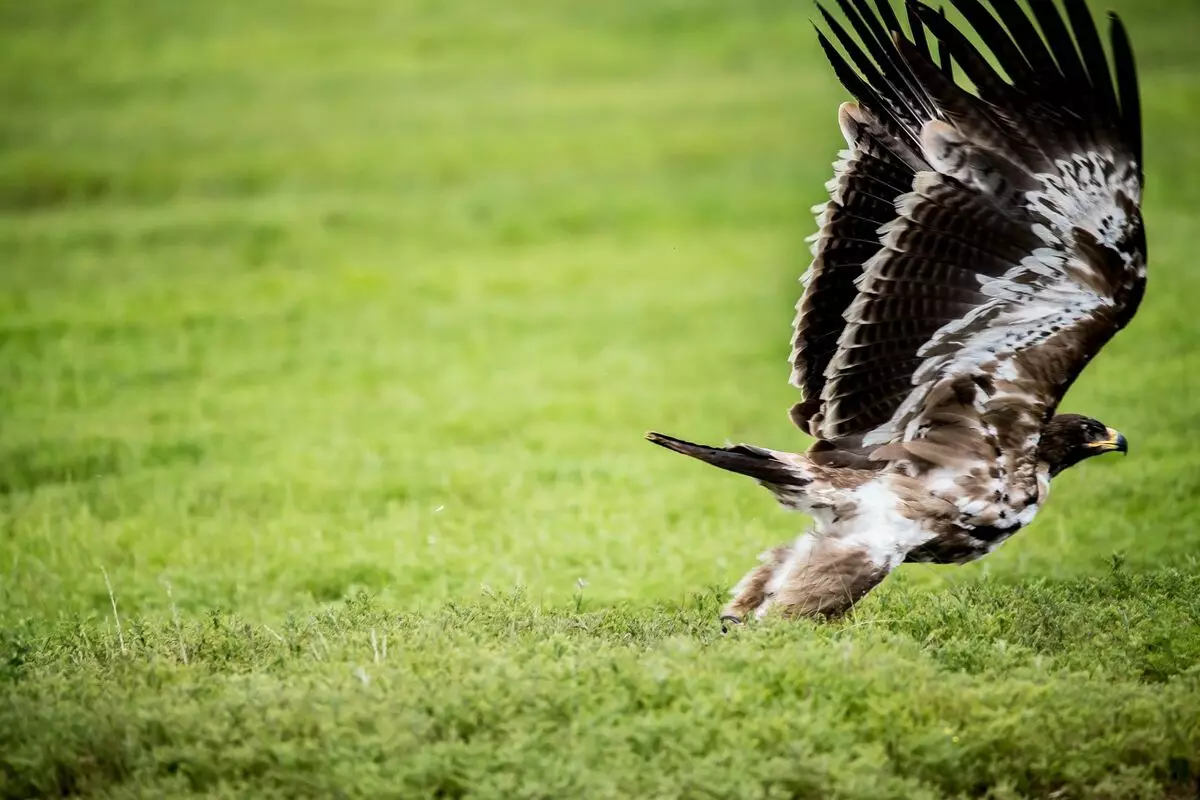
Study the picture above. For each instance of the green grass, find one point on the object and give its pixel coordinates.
(329, 332)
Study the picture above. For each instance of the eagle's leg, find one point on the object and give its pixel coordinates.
(824, 577)
(753, 590)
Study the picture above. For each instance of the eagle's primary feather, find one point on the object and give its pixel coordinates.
(977, 250)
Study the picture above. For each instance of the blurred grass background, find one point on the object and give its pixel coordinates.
(303, 299)
(283, 280)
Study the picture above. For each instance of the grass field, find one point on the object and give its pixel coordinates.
(329, 335)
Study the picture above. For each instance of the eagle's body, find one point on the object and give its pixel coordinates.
(976, 252)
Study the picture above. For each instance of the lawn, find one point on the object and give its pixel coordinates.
(328, 336)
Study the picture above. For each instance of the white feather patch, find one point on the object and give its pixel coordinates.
(879, 529)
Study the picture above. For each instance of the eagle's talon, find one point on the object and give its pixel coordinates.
(729, 619)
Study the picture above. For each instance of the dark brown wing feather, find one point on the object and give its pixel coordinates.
(863, 192)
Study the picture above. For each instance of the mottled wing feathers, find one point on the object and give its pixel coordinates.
(868, 178)
(989, 241)
(878, 166)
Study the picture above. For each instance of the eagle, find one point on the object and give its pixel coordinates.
(982, 241)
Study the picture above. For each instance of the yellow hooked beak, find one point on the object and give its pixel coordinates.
(1113, 441)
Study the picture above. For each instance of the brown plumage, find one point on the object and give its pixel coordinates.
(977, 250)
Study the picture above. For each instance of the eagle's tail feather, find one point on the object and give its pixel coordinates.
(744, 459)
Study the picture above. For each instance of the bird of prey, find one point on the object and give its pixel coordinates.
(979, 246)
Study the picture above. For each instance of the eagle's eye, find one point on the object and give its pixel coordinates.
(1101, 439)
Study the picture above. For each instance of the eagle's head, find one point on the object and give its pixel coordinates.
(1068, 439)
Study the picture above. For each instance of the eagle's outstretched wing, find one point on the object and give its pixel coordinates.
(978, 248)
